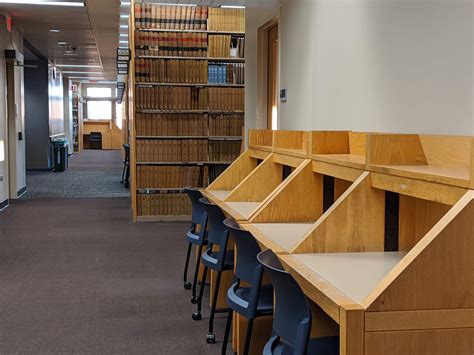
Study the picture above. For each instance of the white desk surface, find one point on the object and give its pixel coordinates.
(286, 235)
(220, 194)
(245, 209)
(354, 274)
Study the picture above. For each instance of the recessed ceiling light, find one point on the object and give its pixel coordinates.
(83, 72)
(37, 2)
(55, 30)
(78, 66)
(62, 43)
(232, 7)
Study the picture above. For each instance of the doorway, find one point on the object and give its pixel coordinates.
(272, 77)
(15, 139)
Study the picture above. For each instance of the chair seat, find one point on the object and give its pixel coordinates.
(238, 299)
(210, 259)
(316, 346)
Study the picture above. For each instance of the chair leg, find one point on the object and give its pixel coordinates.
(186, 283)
(227, 332)
(194, 299)
(197, 314)
(211, 338)
(123, 173)
(248, 336)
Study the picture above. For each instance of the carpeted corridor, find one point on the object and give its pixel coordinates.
(79, 277)
(93, 173)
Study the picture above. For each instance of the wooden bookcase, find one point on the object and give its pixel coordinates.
(187, 88)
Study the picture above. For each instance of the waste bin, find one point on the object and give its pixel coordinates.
(60, 154)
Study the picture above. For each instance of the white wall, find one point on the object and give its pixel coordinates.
(377, 65)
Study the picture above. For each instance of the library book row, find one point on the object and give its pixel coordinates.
(171, 17)
(181, 17)
(188, 125)
(186, 150)
(189, 98)
(188, 72)
(184, 44)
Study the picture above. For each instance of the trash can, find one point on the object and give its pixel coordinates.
(60, 154)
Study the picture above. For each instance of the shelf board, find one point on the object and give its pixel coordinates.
(190, 84)
(191, 111)
(234, 33)
(171, 137)
(186, 163)
(212, 138)
(240, 60)
(225, 138)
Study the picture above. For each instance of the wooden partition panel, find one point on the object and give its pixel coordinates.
(395, 149)
(235, 173)
(355, 223)
(330, 142)
(302, 189)
(357, 143)
(261, 139)
(437, 273)
(259, 184)
(295, 143)
(417, 217)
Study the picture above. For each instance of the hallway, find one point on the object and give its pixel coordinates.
(79, 277)
(93, 173)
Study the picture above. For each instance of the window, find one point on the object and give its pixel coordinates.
(99, 110)
(99, 92)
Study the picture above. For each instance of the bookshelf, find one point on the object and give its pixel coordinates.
(187, 77)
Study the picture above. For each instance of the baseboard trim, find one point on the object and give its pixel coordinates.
(21, 191)
(4, 204)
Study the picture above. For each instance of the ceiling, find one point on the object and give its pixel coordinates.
(91, 34)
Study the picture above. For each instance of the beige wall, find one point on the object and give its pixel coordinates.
(392, 66)
(258, 13)
(14, 163)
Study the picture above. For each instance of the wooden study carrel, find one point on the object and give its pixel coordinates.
(378, 230)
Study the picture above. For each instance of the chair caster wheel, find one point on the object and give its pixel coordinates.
(187, 285)
(211, 338)
(197, 316)
(194, 300)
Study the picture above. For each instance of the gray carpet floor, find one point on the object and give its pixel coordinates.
(78, 277)
(93, 173)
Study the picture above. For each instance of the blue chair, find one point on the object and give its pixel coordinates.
(218, 260)
(251, 301)
(292, 316)
(195, 237)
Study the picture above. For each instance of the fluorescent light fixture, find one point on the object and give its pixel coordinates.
(123, 26)
(77, 66)
(123, 42)
(232, 7)
(123, 34)
(83, 72)
(41, 3)
(62, 43)
(124, 16)
(54, 30)
(2, 150)
(125, 3)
